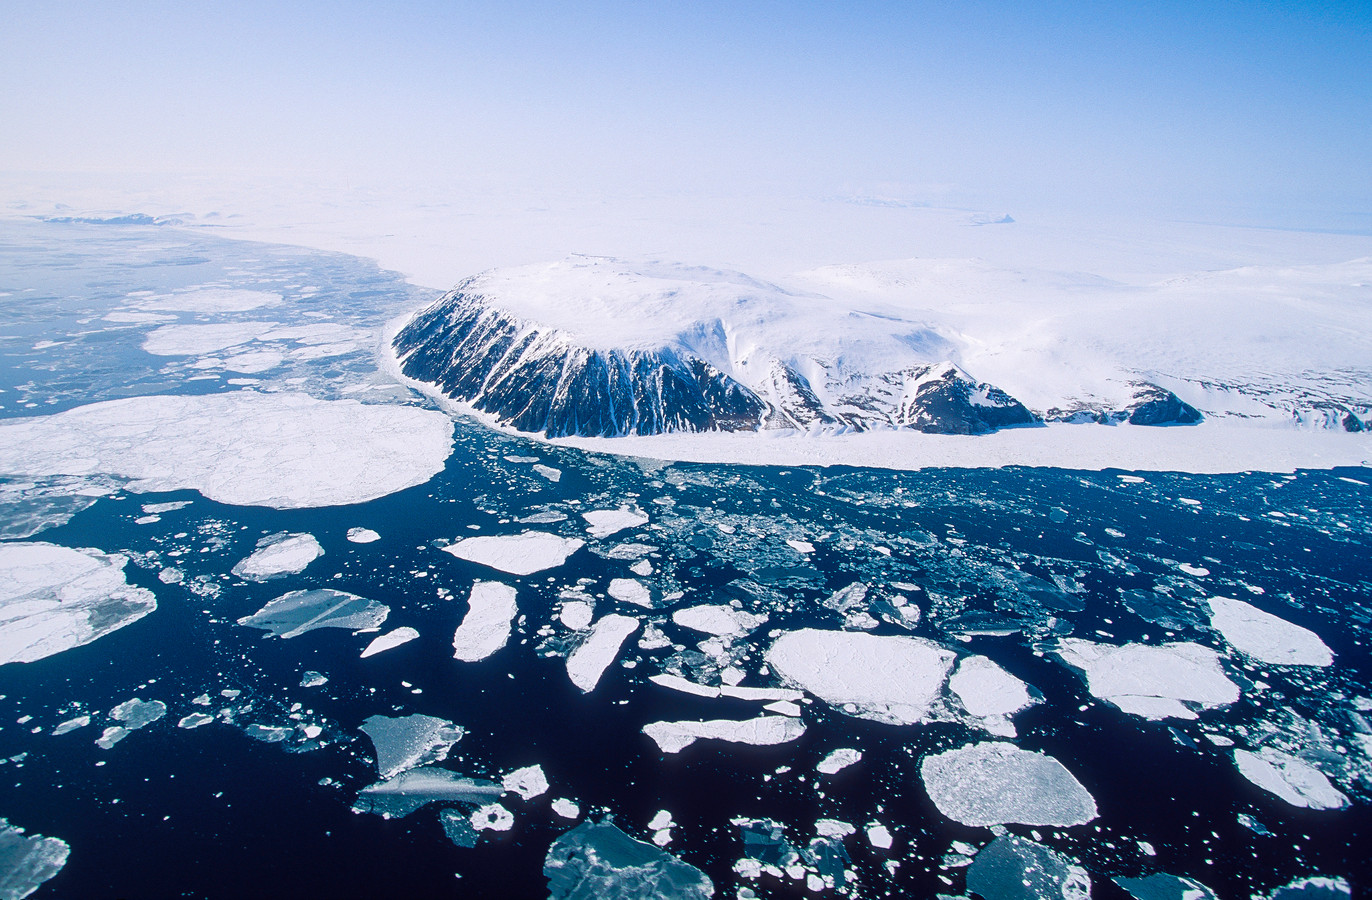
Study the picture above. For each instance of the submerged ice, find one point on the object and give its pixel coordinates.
(407, 742)
(297, 612)
(597, 861)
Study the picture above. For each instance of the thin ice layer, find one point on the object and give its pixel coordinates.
(1015, 868)
(486, 627)
(390, 640)
(589, 661)
(416, 788)
(673, 737)
(407, 742)
(997, 783)
(54, 598)
(1161, 886)
(1153, 682)
(1290, 778)
(282, 450)
(597, 861)
(293, 614)
(517, 554)
(887, 679)
(279, 554)
(1265, 637)
(27, 861)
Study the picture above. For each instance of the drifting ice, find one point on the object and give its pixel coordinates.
(390, 640)
(281, 554)
(597, 861)
(411, 741)
(26, 861)
(1151, 681)
(293, 614)
(528, 782)
(605, 522)
(1290, 778)
(1266, 637)
(486, 627)
(589, 661)
(417, 788)
(997, 783)
(518, 554)
(673, 737)
(724, 621)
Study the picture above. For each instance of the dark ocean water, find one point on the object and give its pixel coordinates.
(211, 812)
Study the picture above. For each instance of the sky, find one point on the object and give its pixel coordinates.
(1251, 111)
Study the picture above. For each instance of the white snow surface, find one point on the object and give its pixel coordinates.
(194, 340)
(986, 689)
(285, 554)
(838, 760)
(997, 783)
(724, 621)
(517, 554)
(54, 598)
(892, 679)
(390, 640)
(565, 808)
(629, 590)
(362, 535)
(528, 782)
(602, 523)
(1290, 778)
(1265, 637)
(283, 450)
(207, 300)
(486, 627)
(589, 661)
(1151, 681)
(673, 737)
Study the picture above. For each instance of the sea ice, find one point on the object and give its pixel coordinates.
(686, 686)
(893, 679)
(416, 788)
(517, 554)
(54, 598)
(566, 808)
(602, 523)
(196, 340)
(111, 736)
(27, 861)
(194, 720)
(282, 450)
(629, 590)
(408, 742)
(1290, 778)
(577, 614)
(1265, 637)
(548, 472)
(486, 627)
(724, 621)
(838, 760)
(135, 713)
(1160, 886)
(985, 689)
(297, 612)
(589, 661)
(1151, 681)
(597, 861)
(389, 640)
(528, 782)
(997, 783)
(492, 817)
(1015, 868)
(362, 535)
(879, 836)
(72, 725)
(1314, 887)
(313, 679)
(207, 300)
(279, 554)
(458, 828)
(673, 737)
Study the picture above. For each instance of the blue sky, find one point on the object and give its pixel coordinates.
(1210, 109)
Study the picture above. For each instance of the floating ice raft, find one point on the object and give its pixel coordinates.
(597, 861)
(407, 742)
(517, 554)
(1265, 637)
(27, 861)
(673, 737)
(279, 554)
(293, 614)
(997, 783)
(416, 788)
(491, 609)
(1152, 682)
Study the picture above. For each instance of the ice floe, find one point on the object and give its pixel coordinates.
(1290, 778)
(597, 861)
(71, 725)
(1160, 886)
(528, 782)
(208, 300)
(577, 614)
(879, 836)
(27, 861)
(673, 737)
(1265, 637)
(416, 788)
(408, 742)
(194, 720)
(589, 661)
(486, 627)
(565, 808)
(602, 523)
(629, 590)
(282, 450)
(838, 760)
(390, 640)
(1152, 682)
(1016, 868)
(724, 621)
(297, 612)
(194, 340)
(492, 817)
(1314, 887)
(54, 598)
(997, 783)
(892, 679)
(362, 535)
(517, 554)
(458, 828)
(279, 554)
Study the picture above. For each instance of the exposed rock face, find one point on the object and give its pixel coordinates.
(1153, 405)
(944, 400)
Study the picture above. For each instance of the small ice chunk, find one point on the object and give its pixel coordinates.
(892, 679)
(27, 861)
(267, 734)
(1160, 886)
(111, 736)
(838, 760)
(416, 788)
(985, 689)
(1290, 778)
(548, 472)
(194, 720)
(528, 782)
(724, 621)
(1265, 637)
(673, 737)
(643, 568)
(72, 725)
(492, 817)
(517, 554)
(834, 828)
(297, 612)
(408, 742)
(313, 679)
(1151, 681)
(486, 627)
(577, 614)
(279, 554)
(135, 713)
(1015, 868)
(362, 535)
(629, 590)
(660, 820)
(677, 683)
(597, 861)
(997, 783)
(589, 661)
(801, 546)
(566, 808)
(879, 836)
(605, 522)
(783, 707)
(390, 639)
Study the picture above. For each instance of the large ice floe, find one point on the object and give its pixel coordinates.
(893, 679)
(1152, 682)
(997, 783)
(281, 450)
(1265, 637)
(673, 737)
(989, 693)
(1016, 868)
(54, 598)
(407, 742)
(602, 523)
(297, 612)
(1290, 778)
(486, 627)
(279, 554)
(27, 861)
(597, 861)
(517, 554)
(723, 621)
(413, 789)
(589, 661)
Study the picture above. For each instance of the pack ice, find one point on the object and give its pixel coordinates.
(293, 614)
(1265, 637)
(589, 661)
(517, 554)
(597, 861)
(1152, 682)
(1015, 868)
(282, 450)
(486, 627)
(673, 737)
(54, 598)
(1290, 778)
(997, 783)
(27, 861)
(279, 554)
